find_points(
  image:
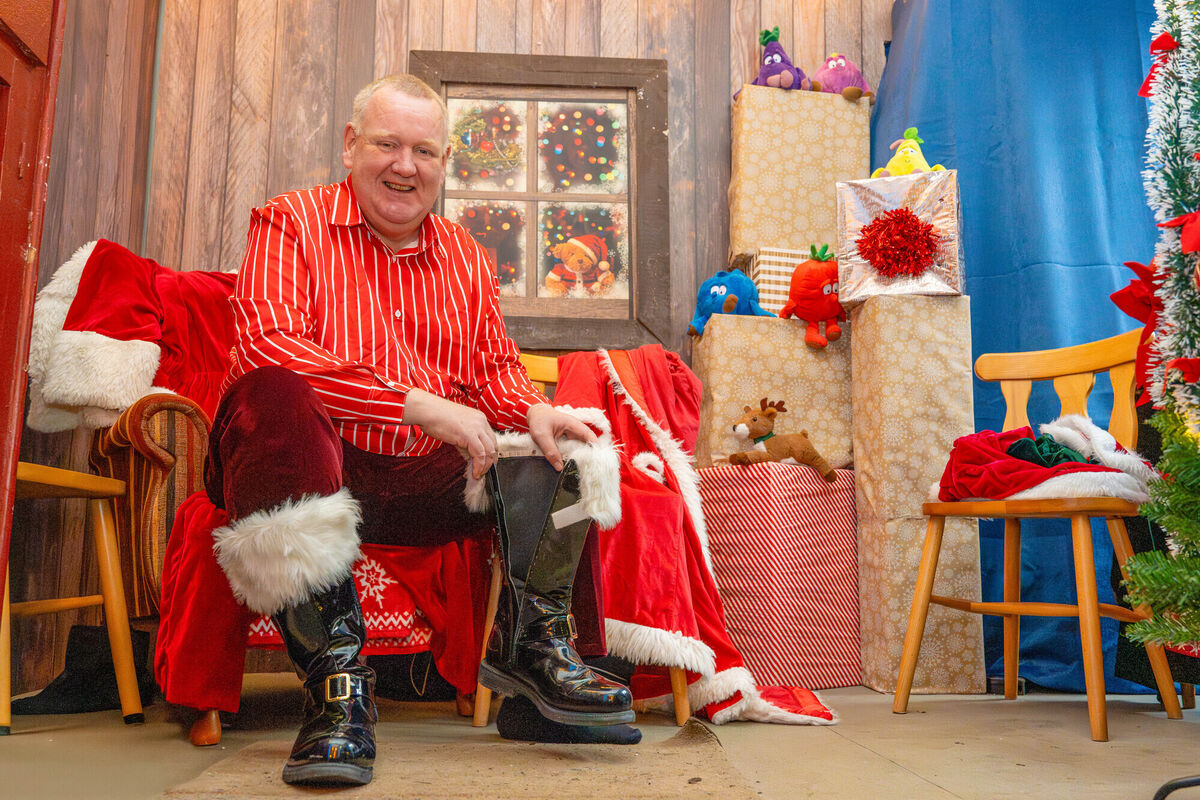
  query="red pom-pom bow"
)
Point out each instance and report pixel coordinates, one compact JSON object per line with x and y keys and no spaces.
{"x":898,"y":243}
{"x":1163,"y":43}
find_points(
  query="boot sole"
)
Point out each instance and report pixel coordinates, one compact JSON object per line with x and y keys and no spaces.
{"x":327,"y":774}
{"x":503,"y":684}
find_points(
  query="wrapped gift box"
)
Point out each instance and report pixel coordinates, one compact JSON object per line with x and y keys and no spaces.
{"x":741,"y":360}
{"x":772,"y":274}
{"x":934,"y":198}
{"x":789,"y":151}
{"x":784,"y":556}
{"x":889,"y":551}
{"x":912,"y":398}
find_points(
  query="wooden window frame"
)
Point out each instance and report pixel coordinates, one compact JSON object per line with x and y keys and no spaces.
{"x":645,"y":80}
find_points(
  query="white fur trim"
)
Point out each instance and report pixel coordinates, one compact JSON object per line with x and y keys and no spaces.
{"x":90,"y":369}
{"x":1091,"y":441}
{"x":1087,"y":484}
{"x":673,"y":454}
{"x":651,"y":464}
{"x":751,"y":707}
{"x":598,"y":464}
{"x":49,"y":313}
{"x":277,"y":558}
{"x":642,"y":645}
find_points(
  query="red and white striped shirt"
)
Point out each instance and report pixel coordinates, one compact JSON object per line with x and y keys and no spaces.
{"x":320,"y":294}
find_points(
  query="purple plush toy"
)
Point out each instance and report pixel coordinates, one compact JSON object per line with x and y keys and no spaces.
{"x":777,"y":69}
{"x":840,"y":75}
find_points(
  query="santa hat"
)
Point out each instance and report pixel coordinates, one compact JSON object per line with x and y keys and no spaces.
{"x":595,"y":247}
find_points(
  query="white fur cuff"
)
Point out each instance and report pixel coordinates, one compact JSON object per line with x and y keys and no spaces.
{"x":598,"y":464}
{"x":277,"y":558}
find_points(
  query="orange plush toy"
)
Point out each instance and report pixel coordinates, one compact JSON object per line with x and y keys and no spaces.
{"x":787,"y":448}
{"x":813,"y":297}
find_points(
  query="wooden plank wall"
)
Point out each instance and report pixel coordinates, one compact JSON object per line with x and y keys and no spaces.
{"x":252,"y":97}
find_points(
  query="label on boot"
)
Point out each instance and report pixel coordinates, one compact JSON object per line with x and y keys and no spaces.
{"x":568,"y":516}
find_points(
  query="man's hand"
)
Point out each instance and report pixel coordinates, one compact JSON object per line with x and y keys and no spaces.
{"x":547,"y":423}
{"x":454,"y":424}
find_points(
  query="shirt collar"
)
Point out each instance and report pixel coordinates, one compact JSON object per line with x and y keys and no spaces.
{"x":344,"y":210}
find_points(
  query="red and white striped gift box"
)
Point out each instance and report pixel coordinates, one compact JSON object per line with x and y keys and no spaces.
{"x":784,"y":550}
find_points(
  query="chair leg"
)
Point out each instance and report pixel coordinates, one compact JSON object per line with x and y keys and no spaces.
{"x":483,"y":695}
{"x":1189,"y":695}
{"x":679,"y":692}
{"x":1012,"y":594}
{"x":116,"y":615}
{"x":919,"y":612}
{"x":1089,"y":625}
{"x":1123,"y":549}
{"x":5,"y":663}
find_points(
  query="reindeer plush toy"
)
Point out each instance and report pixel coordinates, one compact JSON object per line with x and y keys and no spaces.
{"x":786,"y":448}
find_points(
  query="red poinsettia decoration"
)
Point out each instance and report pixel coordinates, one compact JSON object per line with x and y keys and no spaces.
{"x":898,"y":243}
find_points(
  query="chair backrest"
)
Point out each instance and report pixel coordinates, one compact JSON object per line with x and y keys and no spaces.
{"x":1073,"y":371}
{"x":542,"y":370}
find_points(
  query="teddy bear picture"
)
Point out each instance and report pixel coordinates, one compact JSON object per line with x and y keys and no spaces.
{"x":581,"y":266}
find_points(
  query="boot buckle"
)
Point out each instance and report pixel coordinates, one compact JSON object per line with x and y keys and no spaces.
{"x":337,"y":687}
{"x":572,"y":630}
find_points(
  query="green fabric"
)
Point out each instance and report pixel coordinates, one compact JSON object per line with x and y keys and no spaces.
{"x":761,"y":439}
{"x":1044,"y":451}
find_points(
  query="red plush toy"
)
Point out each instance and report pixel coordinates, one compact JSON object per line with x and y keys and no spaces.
{"x":813,"y":297}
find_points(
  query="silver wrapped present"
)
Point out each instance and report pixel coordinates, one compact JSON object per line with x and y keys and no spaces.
{"x":933,"y":198}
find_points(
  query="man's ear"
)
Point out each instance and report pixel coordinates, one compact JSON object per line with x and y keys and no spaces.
{"x":348,"y":139}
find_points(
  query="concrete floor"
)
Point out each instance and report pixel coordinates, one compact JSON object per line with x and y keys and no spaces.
{"x":945,"y":747}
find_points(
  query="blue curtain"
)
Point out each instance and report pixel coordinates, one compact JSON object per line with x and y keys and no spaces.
{"x":1035,"y":104}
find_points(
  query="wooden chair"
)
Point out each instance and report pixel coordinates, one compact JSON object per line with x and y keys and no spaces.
{"x":543,"y":370}
{"x":1073,"y":371}
{"x":38,"y":481}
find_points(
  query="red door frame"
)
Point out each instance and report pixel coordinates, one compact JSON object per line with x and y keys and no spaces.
{"x":30,"y":72}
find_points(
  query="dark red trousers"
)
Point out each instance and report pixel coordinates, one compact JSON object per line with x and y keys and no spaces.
{"x":273,"y":441}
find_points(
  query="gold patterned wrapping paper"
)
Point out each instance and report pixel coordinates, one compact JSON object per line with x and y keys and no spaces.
{"x":951,"y":660}
{"x":790,"y":148}
{"x":912,"y":397}
{"x":742,"y":359}
{"x":934,"y":198}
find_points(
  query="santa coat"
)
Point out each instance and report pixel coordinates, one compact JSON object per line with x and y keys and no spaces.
{"x":661,"y":603}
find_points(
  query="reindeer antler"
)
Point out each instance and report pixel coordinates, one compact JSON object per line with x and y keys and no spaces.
{"x":777,"y":406}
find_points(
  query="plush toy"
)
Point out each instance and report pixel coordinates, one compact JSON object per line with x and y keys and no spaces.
{"x":786,"y":448}
{"x":813,"y":297}
{"x":582,"y":261}
{"x":908,"y":157}
{"x":777,"y":69}
{"x":840,"y":75}
{"x":728,"y":292}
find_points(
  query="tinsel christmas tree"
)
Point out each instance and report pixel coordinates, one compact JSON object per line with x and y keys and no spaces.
{"x":487,"y":145}
{"x":1170,"y":581}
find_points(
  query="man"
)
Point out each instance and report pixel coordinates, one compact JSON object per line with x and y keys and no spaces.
{"x":370,"y":351}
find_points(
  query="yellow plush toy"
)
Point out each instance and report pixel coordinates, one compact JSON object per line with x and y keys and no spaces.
{"x":907,"y":159}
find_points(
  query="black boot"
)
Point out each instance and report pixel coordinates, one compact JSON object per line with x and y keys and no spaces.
{"x":324,"y":637}
{"x":88,"y":681}
{"x":529,"y":652}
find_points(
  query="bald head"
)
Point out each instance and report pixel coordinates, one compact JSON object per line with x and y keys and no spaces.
{"x":402,"y":83}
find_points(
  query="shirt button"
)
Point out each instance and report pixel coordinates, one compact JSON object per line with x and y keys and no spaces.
{"x":397,"y":313}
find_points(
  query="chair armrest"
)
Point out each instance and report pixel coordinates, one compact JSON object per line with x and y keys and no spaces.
{"x":157,"y":446}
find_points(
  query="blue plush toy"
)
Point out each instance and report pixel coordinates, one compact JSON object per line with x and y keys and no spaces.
{"x":728,"y":292}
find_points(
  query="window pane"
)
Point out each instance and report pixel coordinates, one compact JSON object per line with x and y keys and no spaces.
{"x":583,"y":147}
{"x":487,"y":145}
{"x":585,"y":250}
{"x":500,"y":227}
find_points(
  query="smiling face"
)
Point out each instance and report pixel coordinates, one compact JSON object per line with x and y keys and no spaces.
{"x":397,"y":160}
